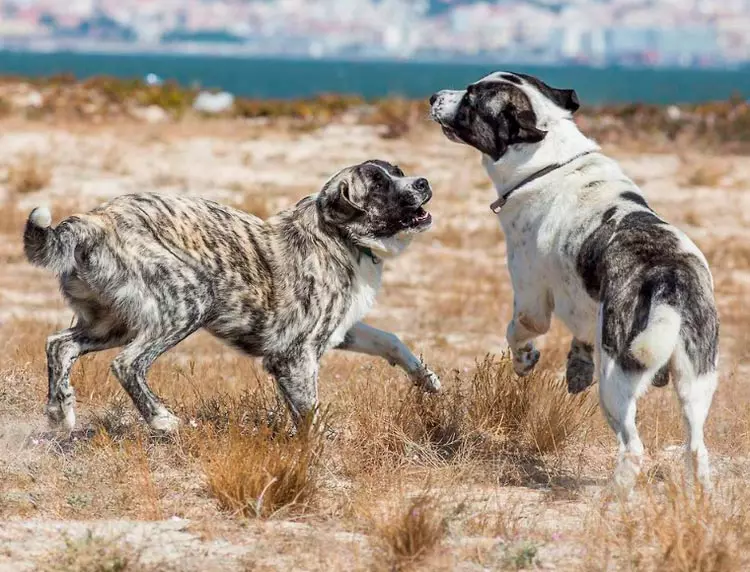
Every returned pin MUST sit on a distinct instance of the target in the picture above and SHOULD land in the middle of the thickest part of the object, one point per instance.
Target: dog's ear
(338, 203)
(567, 99)
(345, 199)
(522, 126)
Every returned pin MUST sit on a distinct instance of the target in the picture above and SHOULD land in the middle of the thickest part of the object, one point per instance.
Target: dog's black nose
(421, 184)
(433, 98)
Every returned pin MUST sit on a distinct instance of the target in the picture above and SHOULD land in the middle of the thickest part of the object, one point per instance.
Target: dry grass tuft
(397, 116)
(28, 174)
(488, 416)
(94, 554)
(261, 473)
(678, 530)
(411, 532)
(498, 521)
(534, 413)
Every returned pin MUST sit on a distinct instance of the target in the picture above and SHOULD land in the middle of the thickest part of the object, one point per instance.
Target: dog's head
(501, 110)
(375, 201)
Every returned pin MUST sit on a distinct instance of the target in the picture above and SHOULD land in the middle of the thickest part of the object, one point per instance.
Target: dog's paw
(61, 412)
(426, 380)
(580, 375)
(525, 360)
(661, 379)
(164, 422)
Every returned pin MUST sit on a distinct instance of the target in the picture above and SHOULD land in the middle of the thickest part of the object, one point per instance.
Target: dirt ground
(492, 474)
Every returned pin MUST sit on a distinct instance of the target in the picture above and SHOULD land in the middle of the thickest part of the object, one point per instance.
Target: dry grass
(12, 218)
(411, 531)
(254, 466)
(498, 520)
(516, 468)
(677, 529)
(263, 474)
(534, 413)
(29, 173)
(710, 174)
(95, 554)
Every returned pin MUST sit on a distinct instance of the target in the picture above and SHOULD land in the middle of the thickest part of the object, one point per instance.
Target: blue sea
(293, 78)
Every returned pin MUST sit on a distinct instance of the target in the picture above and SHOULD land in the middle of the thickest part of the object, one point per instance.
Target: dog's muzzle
(419, 218)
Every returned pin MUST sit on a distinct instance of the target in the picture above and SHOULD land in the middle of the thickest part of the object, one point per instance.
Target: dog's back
(652, 282)
(121, 261)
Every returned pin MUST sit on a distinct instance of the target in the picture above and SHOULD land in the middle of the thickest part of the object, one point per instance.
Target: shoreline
(721, 125)
(292, 76)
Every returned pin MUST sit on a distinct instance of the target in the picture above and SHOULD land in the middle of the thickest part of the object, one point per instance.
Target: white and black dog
(583, 243)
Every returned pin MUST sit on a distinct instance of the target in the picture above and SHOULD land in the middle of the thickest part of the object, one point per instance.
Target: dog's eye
(379, 181)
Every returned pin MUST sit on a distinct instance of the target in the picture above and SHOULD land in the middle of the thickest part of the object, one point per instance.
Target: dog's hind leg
(367, 340)
(63, 349)
(695, 393)
(618, 393)
(580, 367)
(132, 364)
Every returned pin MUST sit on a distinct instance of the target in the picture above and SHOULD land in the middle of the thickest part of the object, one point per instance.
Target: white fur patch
(41, 217)
(364, 291)
(164, 421)
(654, 346)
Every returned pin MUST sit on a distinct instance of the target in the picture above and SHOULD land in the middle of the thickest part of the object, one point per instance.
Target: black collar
(500, 203)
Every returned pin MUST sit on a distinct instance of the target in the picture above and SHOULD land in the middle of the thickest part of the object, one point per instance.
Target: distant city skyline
(595, 32)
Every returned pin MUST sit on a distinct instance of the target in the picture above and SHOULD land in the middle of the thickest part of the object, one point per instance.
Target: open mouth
(421, 219)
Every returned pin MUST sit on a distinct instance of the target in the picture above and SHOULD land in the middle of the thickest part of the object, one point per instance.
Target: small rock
(207, 102)
(151, 114)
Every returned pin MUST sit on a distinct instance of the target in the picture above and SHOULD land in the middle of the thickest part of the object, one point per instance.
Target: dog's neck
(385, 248)
(375, 250)
(561, 144)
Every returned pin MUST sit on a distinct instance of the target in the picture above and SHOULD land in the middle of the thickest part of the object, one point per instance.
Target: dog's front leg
(296, 374)
(531, 319)
(365, 339)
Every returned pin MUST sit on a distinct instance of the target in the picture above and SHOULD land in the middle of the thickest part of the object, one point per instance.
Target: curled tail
(654, 346)
(48, 247)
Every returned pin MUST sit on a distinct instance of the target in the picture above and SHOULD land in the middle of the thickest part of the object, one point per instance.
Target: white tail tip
(41, 216)
(654, 346)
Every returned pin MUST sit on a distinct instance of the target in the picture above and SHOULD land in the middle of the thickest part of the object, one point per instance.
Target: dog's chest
(542, 252)
(364, 289)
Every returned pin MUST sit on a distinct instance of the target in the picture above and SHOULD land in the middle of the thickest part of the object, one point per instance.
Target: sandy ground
(449, 298)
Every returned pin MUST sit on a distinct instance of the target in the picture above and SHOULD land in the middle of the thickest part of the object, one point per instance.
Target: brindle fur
(147, 270)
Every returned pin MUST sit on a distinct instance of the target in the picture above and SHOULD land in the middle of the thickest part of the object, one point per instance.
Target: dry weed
(498, 521)
(169, 180)
(680, 529)
(408, 533)
(95, 554)
(28, 174)
(489, 413)
(534, 413)
(12, 218)
(261, 473)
